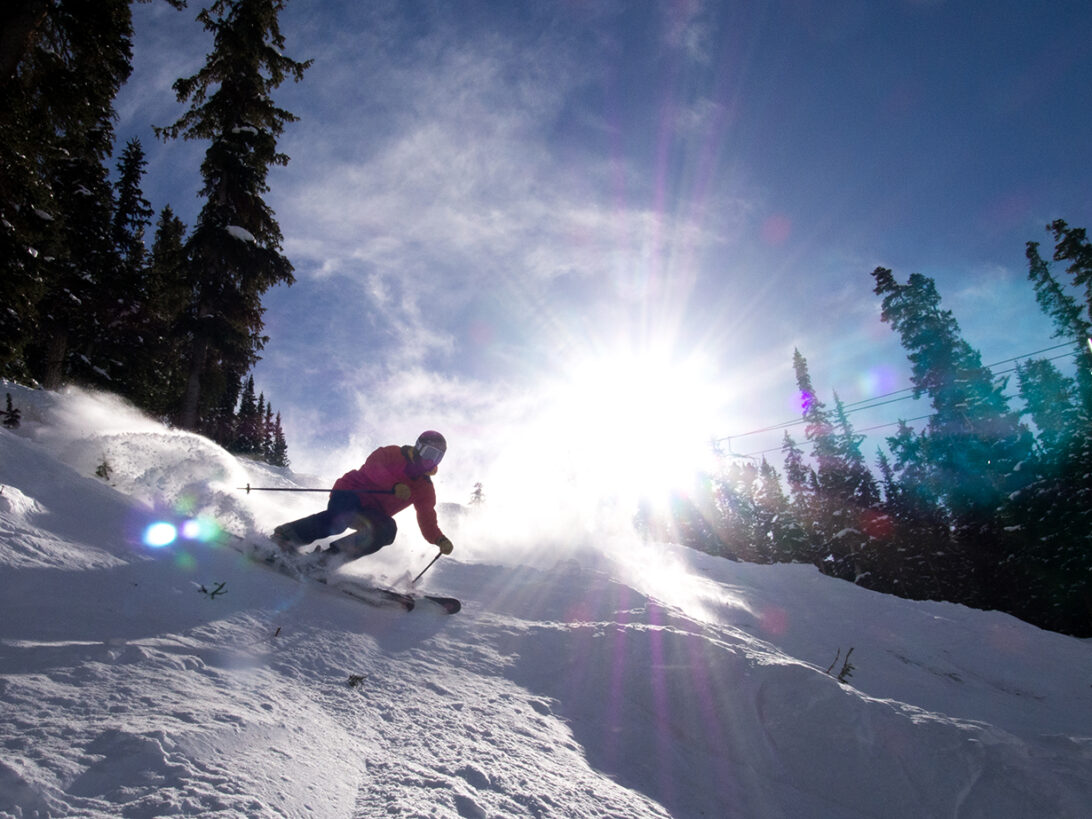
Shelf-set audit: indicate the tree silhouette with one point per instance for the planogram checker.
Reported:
(234, 253)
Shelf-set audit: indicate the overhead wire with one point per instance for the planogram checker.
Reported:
(874, 402)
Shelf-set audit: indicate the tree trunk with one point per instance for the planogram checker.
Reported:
(191, 400)
(55, 351)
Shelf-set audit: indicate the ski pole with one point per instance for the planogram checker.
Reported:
(429, 566)
(248, 489)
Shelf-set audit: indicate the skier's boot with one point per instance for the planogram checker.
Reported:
(286, 538)
(324, 561)
(355, 544)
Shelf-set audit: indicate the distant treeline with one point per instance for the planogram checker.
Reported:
(984, 505)
(175, 327)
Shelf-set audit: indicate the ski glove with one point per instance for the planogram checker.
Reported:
(401, 491)
(445, 546)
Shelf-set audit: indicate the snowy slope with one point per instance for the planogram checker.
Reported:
(628, 679)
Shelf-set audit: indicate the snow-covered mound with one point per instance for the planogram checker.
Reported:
(634, 679)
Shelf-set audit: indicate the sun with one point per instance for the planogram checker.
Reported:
(614, 429)
(642, 420)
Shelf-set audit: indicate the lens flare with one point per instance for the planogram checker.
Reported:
(160, 534)
(185, 561)
(877, 381)
(201, 529)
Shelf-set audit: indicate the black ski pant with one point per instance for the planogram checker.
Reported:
(344, 510)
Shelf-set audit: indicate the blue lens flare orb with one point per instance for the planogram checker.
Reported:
(160, 534)
(176, 530)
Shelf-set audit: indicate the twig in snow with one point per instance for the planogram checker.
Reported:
(847, 666)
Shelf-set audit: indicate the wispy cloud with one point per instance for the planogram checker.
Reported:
(459, 200)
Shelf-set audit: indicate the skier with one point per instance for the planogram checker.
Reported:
(365, 499)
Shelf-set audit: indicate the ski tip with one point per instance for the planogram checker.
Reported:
(449, 605)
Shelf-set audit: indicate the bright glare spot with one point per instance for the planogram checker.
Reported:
(620, 427)
(647, 419)
(202, 529)
(160, 534)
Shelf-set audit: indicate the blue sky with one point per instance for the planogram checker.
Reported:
(558, 230)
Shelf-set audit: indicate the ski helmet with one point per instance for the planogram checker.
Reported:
(430, 447)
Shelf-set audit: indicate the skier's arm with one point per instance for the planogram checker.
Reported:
(425, 504)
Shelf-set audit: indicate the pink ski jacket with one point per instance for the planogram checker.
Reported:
(384, 468)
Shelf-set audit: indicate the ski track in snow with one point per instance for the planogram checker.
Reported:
(581, 689)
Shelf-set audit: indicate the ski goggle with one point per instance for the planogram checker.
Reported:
(430, 453)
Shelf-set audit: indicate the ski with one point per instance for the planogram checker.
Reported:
(381, 598)
(377, 596)
(447, 605)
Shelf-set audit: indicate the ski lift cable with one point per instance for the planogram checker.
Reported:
(801, 421)
(874, 401)
(866, 429)
(988, 366)
(867, 403)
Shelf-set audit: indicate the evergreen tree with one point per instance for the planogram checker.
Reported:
(81, 261)
(278, 453)
(973, 445)
(1051, 523)
(35, 106)
(220, 421)
(1055, 509)
(132, 212)
(248, 423)
(156, 377)
(12, 415)
(1063, 309)
(858, 483)
(803, 503)
(56, 131)
(844, 490)
(1071, 245)
(234, 253)
(852, 489)
(817, 425)
(265, 411)
(122, 298)
(20, 21)
(691, 517)
(917, 558)
(477, 497)
(1051, 400)
(737, 522)
(775, 523)
(61, 64)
